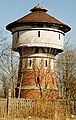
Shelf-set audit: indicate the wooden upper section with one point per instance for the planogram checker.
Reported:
(38, 16)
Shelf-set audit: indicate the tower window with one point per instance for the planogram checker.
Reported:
(30, 63)
(38, 33)
(59, 36)
(45, 63)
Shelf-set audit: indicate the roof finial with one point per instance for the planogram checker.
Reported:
(38, 7)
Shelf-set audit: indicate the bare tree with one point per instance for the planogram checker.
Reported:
(8, 65)
(66, 71)
(66, 74)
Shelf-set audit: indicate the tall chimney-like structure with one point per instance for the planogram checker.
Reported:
(38, 37)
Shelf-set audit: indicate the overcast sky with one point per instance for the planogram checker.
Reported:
(64, 10)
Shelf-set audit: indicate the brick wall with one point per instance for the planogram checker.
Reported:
(37, 77)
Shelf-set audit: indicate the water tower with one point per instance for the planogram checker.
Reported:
(38, 37)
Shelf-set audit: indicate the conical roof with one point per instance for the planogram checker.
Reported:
(38, 15)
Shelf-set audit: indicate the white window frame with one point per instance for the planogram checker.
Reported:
(52, 64)
(38, 63)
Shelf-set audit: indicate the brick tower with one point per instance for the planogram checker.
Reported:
(38, 37)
